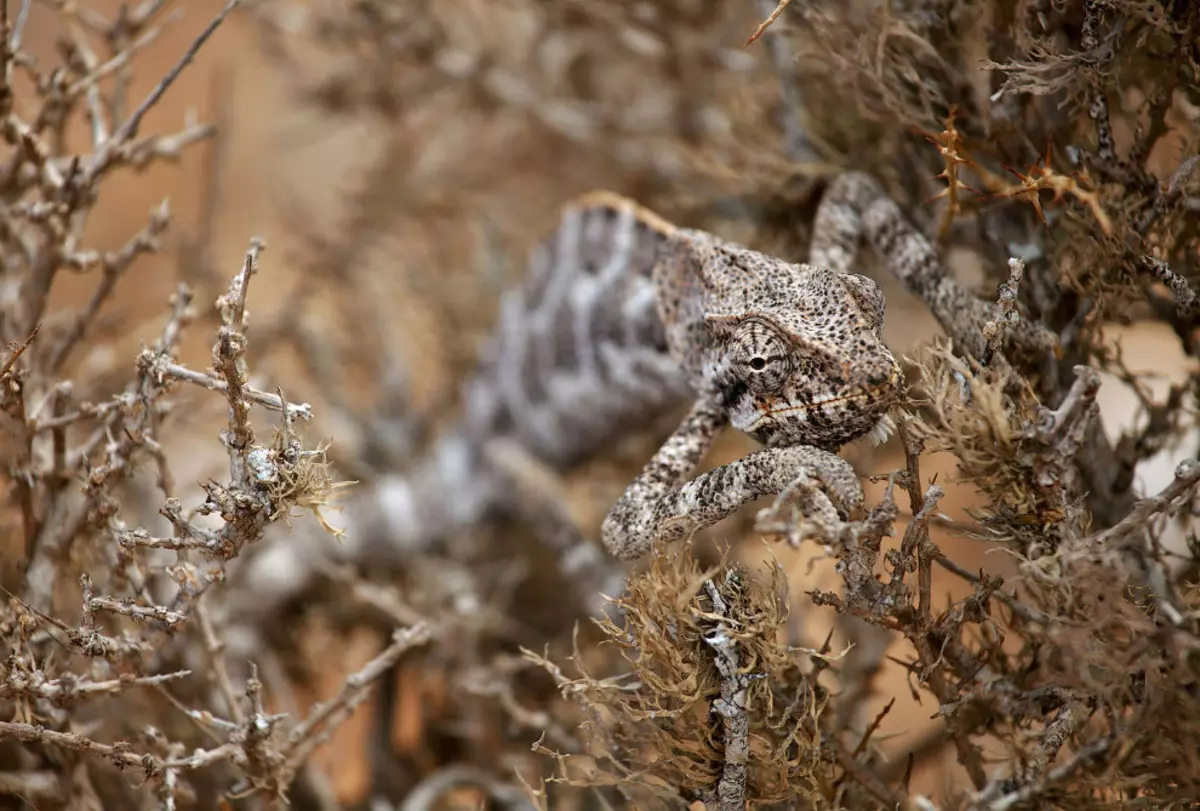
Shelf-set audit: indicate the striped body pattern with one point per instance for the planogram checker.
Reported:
(579, 354)
(577, 358)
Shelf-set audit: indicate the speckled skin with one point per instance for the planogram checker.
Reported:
(791, 354)
(623, 318)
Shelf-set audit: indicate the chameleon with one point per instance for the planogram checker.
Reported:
(622, 316)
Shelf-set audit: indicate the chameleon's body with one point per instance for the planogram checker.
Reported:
(580, 351)
(623, 316)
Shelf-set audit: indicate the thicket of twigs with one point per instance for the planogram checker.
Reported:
(160, 634)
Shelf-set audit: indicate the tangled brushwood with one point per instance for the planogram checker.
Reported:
(181, 639)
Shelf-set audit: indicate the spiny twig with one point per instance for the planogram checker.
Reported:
(772, 16)
(732, 705)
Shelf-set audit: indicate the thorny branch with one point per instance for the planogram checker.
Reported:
(265, 485)
(262, 398)
(731, 706)
(1079, 668)
(322, 718)
(1073, 235)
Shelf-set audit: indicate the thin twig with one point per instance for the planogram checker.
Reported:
(731, 706)
(35, 685)
(263, 398)
(796, 141)
(216, 654)
(772, 16)
(328, 714)
(129, 129)
(120, 754)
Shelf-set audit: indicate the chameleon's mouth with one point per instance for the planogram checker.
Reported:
(878, 393)
(859, 398)
(831, 406)
(776, 416)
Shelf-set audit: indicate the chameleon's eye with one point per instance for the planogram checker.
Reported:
(762, 355)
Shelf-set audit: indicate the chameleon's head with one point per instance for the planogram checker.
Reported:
(796, 351)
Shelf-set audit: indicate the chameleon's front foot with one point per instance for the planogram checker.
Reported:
(655, 510)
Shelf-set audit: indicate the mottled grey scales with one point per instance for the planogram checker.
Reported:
(623, 317)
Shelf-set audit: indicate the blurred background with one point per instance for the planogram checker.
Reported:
(400, 159)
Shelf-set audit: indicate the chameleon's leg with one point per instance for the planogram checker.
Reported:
(855, 206)
(657, 507)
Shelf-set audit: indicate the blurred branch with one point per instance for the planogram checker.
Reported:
(323, 717)
(796, 142)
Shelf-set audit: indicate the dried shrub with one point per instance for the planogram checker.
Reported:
(652, 731)
(162, 640)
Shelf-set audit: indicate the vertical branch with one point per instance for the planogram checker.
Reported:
(796, 142)
(731, 706)
(230, 363)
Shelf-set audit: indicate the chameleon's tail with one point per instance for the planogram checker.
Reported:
(386, 521)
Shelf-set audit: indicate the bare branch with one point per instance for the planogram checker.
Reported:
(262, 398)
(325, 716)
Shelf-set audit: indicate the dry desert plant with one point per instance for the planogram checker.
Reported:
(157, 635)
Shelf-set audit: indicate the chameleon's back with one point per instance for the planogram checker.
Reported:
(579, 355)
(578, 358)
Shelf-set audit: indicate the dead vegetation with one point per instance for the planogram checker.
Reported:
(162, 636)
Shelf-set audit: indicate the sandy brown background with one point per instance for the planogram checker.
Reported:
(277, 156)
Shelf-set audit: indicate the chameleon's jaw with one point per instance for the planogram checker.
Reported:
(828, 420)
